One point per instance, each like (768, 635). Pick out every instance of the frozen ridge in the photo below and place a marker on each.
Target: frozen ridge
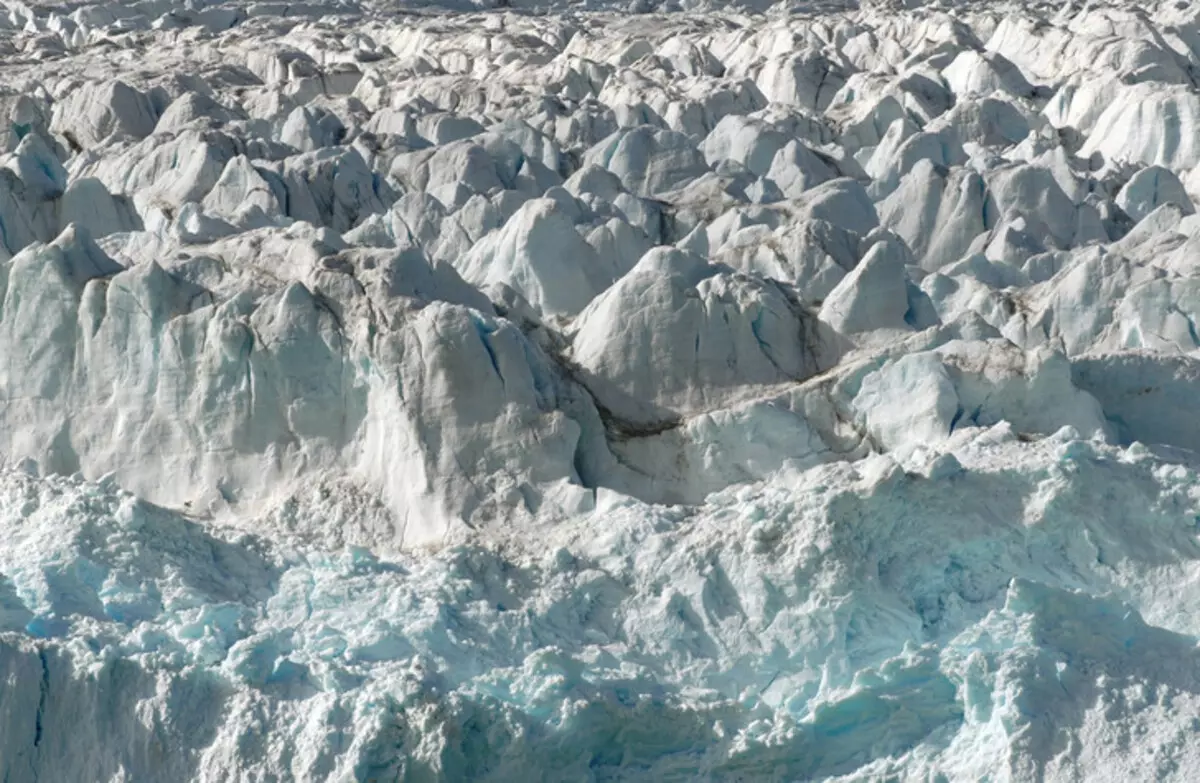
(599, 391)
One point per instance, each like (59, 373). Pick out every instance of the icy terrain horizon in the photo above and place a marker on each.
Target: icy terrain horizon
(582, 392)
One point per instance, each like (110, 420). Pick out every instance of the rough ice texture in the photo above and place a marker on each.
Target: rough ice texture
(664, 392)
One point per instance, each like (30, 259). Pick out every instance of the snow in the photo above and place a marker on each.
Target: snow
(599, 391)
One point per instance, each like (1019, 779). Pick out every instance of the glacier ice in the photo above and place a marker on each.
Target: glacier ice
(641, 391)
(800, 628)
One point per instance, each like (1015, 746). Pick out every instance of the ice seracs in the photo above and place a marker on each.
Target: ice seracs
(875, 294)
(640, 393)
(677, 334)
(110, 112)
(1149, 188)
(649, 160)
(541, 254)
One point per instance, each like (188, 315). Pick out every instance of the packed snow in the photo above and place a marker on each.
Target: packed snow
(562, 391)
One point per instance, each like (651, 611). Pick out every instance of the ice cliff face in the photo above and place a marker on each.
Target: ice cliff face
(779, 394)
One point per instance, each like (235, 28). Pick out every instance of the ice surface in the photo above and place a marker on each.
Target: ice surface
(599, 391)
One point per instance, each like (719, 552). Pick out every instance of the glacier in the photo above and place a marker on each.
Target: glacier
(669, 390)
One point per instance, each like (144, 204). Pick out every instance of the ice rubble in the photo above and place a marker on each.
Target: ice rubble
(693, 393)
(799, 629)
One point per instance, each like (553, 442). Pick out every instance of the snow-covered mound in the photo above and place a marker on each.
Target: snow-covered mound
(599, 391)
